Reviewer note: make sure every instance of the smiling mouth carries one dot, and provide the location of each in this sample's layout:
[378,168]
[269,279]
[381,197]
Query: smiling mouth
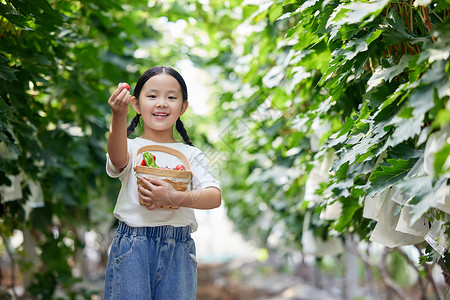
[160,115]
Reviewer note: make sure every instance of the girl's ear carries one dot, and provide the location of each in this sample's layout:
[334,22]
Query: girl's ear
[184,106]
[135,104]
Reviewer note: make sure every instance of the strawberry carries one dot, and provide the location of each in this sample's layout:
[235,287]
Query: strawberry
[180,168]
[143,163]
[126,86]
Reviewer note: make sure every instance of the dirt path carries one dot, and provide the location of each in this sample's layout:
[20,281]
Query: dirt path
[216,282]
[229,281]
[253,282]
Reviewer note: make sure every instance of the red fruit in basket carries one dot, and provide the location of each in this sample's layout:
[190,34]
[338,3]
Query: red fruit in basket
[143,163]
[180,168]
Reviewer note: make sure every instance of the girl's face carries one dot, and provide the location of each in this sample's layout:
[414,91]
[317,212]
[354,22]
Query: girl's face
[160,104]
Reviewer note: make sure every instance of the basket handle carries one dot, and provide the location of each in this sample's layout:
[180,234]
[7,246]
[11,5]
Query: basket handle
[165,149]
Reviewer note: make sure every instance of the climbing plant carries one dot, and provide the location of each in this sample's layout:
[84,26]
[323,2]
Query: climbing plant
[59,61]
[336,123]
[332,120]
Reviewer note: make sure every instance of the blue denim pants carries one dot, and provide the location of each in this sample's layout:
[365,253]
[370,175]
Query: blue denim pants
[151,263]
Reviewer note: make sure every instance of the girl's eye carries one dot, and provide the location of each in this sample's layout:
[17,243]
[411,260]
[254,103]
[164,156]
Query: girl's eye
[152,96]
[172,98]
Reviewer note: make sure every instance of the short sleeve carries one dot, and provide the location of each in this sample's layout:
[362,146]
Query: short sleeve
[203,177]
[112,171]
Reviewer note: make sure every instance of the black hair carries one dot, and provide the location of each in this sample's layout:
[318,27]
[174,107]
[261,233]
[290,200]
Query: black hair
[137,91]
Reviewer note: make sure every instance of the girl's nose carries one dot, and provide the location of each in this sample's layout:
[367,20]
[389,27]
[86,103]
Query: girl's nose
[160,102]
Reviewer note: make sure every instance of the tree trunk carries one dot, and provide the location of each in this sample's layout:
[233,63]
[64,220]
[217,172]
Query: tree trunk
[351,270]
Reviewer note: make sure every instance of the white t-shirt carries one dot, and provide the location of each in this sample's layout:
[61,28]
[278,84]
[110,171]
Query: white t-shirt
[129,210]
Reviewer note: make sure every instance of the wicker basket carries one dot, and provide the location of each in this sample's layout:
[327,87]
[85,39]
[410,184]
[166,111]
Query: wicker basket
[179,179]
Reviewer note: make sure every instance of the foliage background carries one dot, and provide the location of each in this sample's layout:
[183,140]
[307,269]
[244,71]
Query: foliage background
[355,87]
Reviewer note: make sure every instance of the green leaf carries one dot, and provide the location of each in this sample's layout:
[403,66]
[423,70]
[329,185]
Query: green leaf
[416,187]
[286,2]
[401,91]
[364,113]
[398,34]
[349,209]
[11,15]
[404,129]
[7,73]
[360,10]
[441,159]
[4,107]
[437,77]
[349,122]
[421,101]
[341,174]
[262,11]
[440,50]
[442,118]
[275,12]
[361,149]
[373,36]
[387,74]
[425,194]
[378,95]
[385,176]
[354,12]
[405,151]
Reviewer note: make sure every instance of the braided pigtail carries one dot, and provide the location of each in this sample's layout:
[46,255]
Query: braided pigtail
[182,131]
[134,123]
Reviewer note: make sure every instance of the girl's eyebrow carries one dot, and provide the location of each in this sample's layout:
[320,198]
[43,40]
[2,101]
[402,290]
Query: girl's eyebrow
[170,91]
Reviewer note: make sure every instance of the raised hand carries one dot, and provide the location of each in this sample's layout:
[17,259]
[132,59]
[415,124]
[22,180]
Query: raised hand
[117,139]
[120,99]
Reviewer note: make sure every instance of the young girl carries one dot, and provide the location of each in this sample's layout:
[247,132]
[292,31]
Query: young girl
[152,254]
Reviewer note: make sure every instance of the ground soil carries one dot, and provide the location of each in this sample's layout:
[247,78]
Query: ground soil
[216,282]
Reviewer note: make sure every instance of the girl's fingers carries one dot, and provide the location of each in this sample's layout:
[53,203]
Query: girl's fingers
[124,98]
[156,181]
[147,202]
[117,91]
[154,191]
[120,97]
[150,207]
[148,184]
[121,102]
[145,192]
